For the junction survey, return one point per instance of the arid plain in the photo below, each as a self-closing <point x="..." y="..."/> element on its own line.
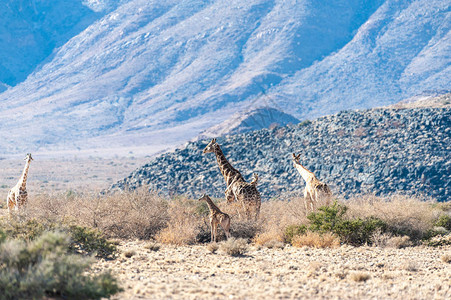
<point x="150" y="270"/>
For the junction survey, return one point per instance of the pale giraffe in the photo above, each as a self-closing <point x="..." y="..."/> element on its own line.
<point x="217" y="217"/>
<point x="18" y="195"/>
<point x="237" y="188"/>
<point x="315" y="190"/>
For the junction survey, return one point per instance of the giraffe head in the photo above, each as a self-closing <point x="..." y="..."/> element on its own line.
<point x="28" y="158"/>
<point x="254" y="178"/>
<point x="211" y="146"/>
<point x="296" y="158"/>
<point x="203" y="198"/>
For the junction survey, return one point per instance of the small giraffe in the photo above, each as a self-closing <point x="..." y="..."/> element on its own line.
<point x="237" y="188"/>
<point x="217" y="217"/>
<point x="315" y="190"/>
<point x="18" y="195"/>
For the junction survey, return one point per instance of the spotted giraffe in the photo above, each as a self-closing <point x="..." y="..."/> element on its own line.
<point x="315" y="190"/>
<point x="18" y="195"/>
<point x="237" y="188"/>
<point x="216" y="217"/>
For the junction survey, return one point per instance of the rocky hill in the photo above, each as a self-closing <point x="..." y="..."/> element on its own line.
<point x="380" y="151"/>
<point x="155" y="74"/>
<point x="253" y="119"/>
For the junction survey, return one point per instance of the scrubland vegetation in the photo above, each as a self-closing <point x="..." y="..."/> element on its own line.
<point x="47" y="247"/>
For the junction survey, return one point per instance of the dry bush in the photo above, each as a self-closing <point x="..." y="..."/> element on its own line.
<point x="275" y="217"/>
<point x="387" y="240"/>
<point x="244" y="228"/>
<point x="134" y="214"/>
<point x="129" y="253"/>
<point x="152" y="246"/>
<point x="268" y="238"/>
<point x="234" y="247"/>
<point x="446" y="258"/>
<point x="317" y="240"/>
<point x="183" y="225"/>
<point x="212" y="247"/>
<point x="360" y="276"/>
<point x="439" y="241"/>
<point x="410" y="266"/>
<point x="404" y="215"/>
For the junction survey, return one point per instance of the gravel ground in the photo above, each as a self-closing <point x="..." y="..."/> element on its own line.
<point x="193" y="272"/>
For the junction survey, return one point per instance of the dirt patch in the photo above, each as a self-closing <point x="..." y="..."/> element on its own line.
<point x="193" y="272"/>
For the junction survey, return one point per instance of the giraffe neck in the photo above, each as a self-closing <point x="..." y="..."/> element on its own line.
<point x="23" y="178"/>
<point x="211" y="205"/>
<point x="230" y="174"/>
<point x="306" y="174"/>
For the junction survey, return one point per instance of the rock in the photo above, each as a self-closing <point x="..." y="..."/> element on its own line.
<point x="404" y="151"/>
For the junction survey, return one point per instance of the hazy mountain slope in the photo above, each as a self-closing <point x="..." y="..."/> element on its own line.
<point x="377" y="151"/>
<point x="31" y="29"/>
<point x="150" y="65"/>
<point x="403" y="49"/>
<point x="158" y="73"/>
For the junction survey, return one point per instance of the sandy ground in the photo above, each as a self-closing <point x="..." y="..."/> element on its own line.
<point x="193" y="272"/>
<point x="59" y="174"/>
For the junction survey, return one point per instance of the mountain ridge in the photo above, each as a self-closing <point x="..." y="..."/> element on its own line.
<point x="168" y="71"/>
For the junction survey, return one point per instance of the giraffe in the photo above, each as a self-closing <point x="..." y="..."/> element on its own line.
<point x="237" y="188"/>
<point x="17" y="196"/>
<point x="315" y="190"/>
<point x="216" y="217"/>
<point x="254" y="179"/>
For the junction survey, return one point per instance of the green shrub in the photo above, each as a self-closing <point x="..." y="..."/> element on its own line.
<point x="327" y="217"/>
<point x="90" y="241"/>
<point x="293" y="230"/>
<point x="352" y="231"/>
<point x="359" y="231"/>
<point x="83" y="239"/>
<point x="2" y="236"/>
<point x="44" y="268"/>
<point x="305" y="123"/>
<point x="440" y="240"/>
<point x="444" y="221"/>
<point x="26" y="230"/>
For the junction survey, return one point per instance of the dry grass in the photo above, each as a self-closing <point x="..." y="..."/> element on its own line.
<point x="359" y="276"/>
<point x="129" y="253"/>
<point x="446" y="258"/>
<point x="234" y="247"/>
<point x="411" y="266"/>
<point x="143" y="215"/>
<point x="152" y="246"/>
<point x="314" y="239"/>
<point x="183" y="225"/>
<point x="135" y="214"/>
<point x="212" y="247"/>
<point x="405" y="215"/>
<point x="386" y="239"/>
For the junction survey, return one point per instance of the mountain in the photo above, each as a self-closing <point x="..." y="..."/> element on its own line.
<point x="30" y="30"/>
<point x="253" y="119"/>
<point x="155" y="74"/>
<point x="378" y="151"/>
<point x="427" y="99"/>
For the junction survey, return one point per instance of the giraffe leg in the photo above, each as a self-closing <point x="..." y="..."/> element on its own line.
<point x="10" y="203"/>
<point x="306" y="199"/>
<point x="16" y="205"/>
<point x="215" y="231"/>
<point x="225" y="224"/>
<point x="211" y="231"/>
